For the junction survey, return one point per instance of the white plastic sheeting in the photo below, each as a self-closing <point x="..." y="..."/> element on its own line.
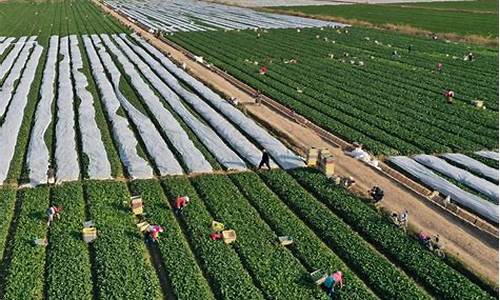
<point x="38" y="153"/>
<point x="481" y="185"/>
<point x="157" y="148"/>
<point x="186" y="15"/>
<point x="13" y="119"/>
<point x="282" y="155"/>
<point x="480" y="206"/>
<point x="5" y="44"/>
<point x="223" y="127"/>
<point x="488" y="154"/>
<point x="192" y="156"/>
<point x="92" y="145"/>
<point x="207" y="136"/>
<point x="11" y="57"/>
<point x="136" y="166"/>
<point x="10" y="82"/>
<point x="66" y="154"/>
<point x="473" y="165"/>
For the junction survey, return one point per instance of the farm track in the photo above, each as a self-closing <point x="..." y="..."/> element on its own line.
<point x="460" y="238"/>
<point x="160" y="271"/>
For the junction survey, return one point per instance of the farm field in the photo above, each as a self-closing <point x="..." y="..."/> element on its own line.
<point x="349" y="82"/>
<point x="461" y="17"/>
<point x="116" y="118"/>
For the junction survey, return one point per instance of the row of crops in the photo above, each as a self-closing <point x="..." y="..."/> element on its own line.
<point x="332" y="230"/>
<point x="467" y="181"/>
<point x="377" y="88"/>
<point x="120" y="103"/>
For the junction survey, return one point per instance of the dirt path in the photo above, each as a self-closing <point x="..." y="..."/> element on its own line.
<point x="478" y="251"/>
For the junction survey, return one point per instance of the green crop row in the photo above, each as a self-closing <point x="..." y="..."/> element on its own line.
<point x="314" y="73"/>
<point x="122" y="267"/>
<point x="185" y="276"/>
<point x="26" y="263"/>
<point x="278" y="274"/>
<point x="7" y="205"/>
<point x="68" y="263"/>
<point x="307" y="247"/>
<point x="385" y="279"/>
<point x="427" y="269"/>
<point x="224" y="271"/>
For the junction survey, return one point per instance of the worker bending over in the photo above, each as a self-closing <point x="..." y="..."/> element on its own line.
<point x="52" y="212"/>
<point x="449" y="94"/>
<point x="336" y="279"/>
<point x="153" y="232"/>
<point x="180" y="203"/>
<point x="377" y="194"/>
<point x="265" y="160"/>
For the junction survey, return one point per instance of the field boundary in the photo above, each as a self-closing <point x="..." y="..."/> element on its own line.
<point x="404" y="29"/>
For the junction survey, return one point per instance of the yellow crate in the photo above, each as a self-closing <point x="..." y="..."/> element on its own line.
<point x="229" y="236"/>
<point x="312" y="157"/>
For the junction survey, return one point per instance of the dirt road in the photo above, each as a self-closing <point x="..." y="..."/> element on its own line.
<point x="478" y="251"/>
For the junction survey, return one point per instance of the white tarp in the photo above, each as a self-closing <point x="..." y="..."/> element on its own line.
<point x="185" y="15"/>
<point x="481" y="185"/>
<point x="92" y="145"/>
<point x="207" y="136"/>
<point x="5" y="44"/>
<point x="38" y="153"/>
<point x="14" y="117"/>
<point x="282" y="155"/>
<point x="11" y="57"/>
<point x="157" y="148"/>
<point x="66" y="155"/>
<point x="10" y="82"/>
<point x="359" y="154"/>
<point x="223" y="127"/>
<point x="473" y="165"/>
<point x="488" y="154"/>
<point x="192" y="156"/>
<point x="480" y="206"/>
<point x="136" y="166"/>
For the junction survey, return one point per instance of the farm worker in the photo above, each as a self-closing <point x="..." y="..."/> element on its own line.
<point x="449" y="94"/>
<point x="215" y="236"/>
<point x="51" y="174"/>
<point x="424" y="237"/>
<point x="439" y="67"/>
<point x="349" y="182"/>
<point x="403" y="218"/>
<point x="180" y="203"/>
<point x="264" y="160"/>
<point x="377" y="194"/>
<point x="410" y="48"/>
<point x="153" y="232"/>
<point x="333" y="280"/>
<point x="470" y="56"/>
<point x="263" y="70"/>
<point x="51" y="212"/>
<point x="395" y="54"/>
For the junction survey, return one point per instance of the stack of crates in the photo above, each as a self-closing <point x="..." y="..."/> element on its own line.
<point x="326" y="162"/>
<point x="312" y="157"/>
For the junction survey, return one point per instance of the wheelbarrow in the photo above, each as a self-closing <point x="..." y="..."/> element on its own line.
<point x="89" y="232"/>
<point x="137" y="205"/>
<point x="217" y="226"/>
<point x="229" y="236"/>
<point x="319" y="276"/>
<point x="285" y="240"/>
<point x="143" y="226"/>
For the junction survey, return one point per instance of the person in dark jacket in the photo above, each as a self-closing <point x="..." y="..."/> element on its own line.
<point x="264" y="160"/>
